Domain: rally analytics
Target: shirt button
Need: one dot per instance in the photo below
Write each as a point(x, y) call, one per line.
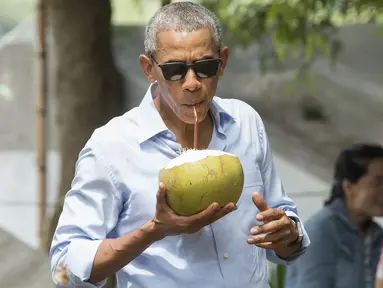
point(225, 255)
point(169, 135)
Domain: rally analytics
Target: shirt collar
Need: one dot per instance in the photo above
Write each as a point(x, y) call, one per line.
point(151, 123)
point(339, 207)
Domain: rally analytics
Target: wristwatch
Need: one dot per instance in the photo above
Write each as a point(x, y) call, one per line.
point(300, 231)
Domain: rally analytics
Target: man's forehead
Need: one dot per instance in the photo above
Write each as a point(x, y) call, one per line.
point(181, 35)
point(184, 42)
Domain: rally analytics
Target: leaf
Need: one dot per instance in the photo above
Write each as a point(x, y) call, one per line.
point(297, 29)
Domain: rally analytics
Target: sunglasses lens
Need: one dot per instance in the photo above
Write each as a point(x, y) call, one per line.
point(206, 68)
point(173, 71)
point(203, 68)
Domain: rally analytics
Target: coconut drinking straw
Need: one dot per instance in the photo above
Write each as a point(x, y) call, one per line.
point(195, 129)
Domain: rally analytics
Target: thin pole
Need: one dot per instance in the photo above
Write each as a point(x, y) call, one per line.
point(41, 113)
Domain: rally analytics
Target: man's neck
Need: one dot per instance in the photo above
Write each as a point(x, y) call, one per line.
point(362, 222)
point(184, 132)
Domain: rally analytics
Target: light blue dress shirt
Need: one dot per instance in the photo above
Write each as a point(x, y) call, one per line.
point(114, 192)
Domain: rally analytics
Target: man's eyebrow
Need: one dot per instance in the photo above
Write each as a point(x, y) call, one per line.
point(174, 60)
point(205, 57)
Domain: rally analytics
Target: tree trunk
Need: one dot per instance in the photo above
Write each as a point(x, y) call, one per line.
point(89, 87)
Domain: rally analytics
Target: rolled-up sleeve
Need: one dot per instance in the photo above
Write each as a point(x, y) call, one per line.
point(275, 194)
point(90, 212)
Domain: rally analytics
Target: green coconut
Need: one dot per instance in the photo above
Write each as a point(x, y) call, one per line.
point(198, 178)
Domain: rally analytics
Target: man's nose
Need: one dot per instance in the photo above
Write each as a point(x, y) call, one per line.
point(191, 81)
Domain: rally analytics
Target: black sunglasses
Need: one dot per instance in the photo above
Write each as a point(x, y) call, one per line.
point(176, 71)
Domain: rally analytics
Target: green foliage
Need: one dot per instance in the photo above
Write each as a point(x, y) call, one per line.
point(291, 31)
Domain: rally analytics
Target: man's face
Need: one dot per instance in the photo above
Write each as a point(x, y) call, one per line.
point(366, 196)
point(192, 89)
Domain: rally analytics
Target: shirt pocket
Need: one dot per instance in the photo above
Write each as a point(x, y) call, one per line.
point(246, 208)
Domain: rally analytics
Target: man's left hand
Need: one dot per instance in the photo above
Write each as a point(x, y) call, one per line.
point(278, 230)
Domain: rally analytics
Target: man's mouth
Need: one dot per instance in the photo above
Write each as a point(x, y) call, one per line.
point(194, 104)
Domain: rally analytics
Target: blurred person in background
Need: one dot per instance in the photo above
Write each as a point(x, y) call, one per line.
point(345, 241)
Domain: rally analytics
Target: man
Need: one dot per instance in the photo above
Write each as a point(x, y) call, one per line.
point(115, 217)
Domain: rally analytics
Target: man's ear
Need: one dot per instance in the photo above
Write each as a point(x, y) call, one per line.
point(224, 58)
point(147, 67)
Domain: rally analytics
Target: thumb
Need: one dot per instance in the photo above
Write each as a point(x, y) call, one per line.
point(161, 194)
point(259, 202)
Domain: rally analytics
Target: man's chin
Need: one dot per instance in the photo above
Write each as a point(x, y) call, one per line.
point(190, 120)
point(189, 116)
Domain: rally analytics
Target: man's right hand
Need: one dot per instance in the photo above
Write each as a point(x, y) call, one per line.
point(113, 254)
point(167, 222)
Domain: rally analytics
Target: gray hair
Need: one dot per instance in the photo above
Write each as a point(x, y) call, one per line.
point(181, 17)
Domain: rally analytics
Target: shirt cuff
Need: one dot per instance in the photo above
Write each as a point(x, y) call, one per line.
point(273, 257)
point(79, 262)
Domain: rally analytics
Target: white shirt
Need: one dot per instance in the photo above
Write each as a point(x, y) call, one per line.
point(114, 192)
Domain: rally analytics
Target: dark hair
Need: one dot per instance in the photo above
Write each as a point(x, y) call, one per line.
point(352, 164)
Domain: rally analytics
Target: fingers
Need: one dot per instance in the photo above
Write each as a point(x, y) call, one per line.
point(272, 226)
point(162, 207)
point(271, 234)
point(205, 214)
point(267, 213)
point(192, 224)
point(228, 208)
point(270, 240)
point(175, 224)
point(259, 202)
point(161, 194)
point(270, 215)
point(212, 213)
